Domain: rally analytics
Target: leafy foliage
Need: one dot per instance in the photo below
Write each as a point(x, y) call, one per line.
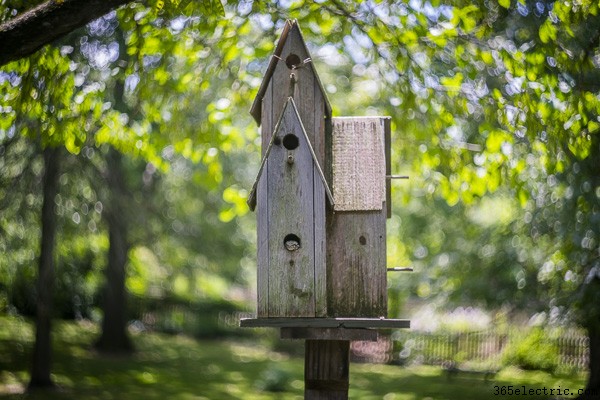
point(495, 108)
point(534, 352)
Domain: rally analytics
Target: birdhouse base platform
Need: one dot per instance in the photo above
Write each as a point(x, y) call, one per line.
point(300, 322)
point(351, 329)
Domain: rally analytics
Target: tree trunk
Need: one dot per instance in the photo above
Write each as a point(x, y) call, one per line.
point(114, 337)
point(42, 350)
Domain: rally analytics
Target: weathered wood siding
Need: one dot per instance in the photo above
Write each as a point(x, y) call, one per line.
point(292, 198)
point(356, 231)
point(306, 91)
point(356, 264)
point(262, 216)
point(311, 107)
point(290, 211)
point(326, 369)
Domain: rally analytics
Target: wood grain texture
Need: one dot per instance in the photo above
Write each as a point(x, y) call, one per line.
point(267, 127)
point(358, 158)
point(290, 203)
point(356, 264)
point(308, 202)
point(320, 243)
point(262, 244)
point(320, 201)
point(277, 58)
point(326, 369)
point(262, 215)
point(304, 92)
point(321, 113)
point(256, 109)
point(311, 106)
point(352, 334)
point(387, 130)
point(280, 79)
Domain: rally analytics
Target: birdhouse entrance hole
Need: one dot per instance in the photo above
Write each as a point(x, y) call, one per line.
point(290, 141)
point(291, 242)
point(293, 61)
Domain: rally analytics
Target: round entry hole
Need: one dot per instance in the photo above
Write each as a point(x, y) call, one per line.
point(293, 61)
point(291, 242)
point(362, 240)
point(290, 141)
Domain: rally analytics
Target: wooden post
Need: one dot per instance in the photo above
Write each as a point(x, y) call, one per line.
point(326, 369)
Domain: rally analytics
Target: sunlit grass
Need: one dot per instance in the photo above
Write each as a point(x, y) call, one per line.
point(178, 367)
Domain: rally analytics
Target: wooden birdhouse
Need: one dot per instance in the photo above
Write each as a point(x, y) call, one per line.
point(291, 193)
point(321, 196)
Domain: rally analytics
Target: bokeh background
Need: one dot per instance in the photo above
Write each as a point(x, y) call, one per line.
point(127, 153)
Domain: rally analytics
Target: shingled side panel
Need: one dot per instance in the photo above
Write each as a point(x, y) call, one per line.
point(359, 182)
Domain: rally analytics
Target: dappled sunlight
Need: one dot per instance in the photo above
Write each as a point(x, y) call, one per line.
point(494, 111)
point(163, 367)
point(178, 367)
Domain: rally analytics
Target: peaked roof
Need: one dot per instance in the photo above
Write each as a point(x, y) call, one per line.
point(289, 103)
point(291, 27)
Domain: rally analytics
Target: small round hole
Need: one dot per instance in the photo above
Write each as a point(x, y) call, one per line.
point(290, 141)
point(362, 240)
point(292, 61)
point(291, 242)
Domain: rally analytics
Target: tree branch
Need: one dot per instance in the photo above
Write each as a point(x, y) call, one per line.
point(53, 19)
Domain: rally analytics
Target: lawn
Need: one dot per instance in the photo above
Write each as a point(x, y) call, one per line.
point(178, 367)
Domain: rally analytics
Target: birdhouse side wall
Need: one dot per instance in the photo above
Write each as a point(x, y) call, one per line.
point(356, 264)
point(267, 124)
point(320, 234)
point(291, 273)
point(356, 231)
point(262, 244)
point(295, 200)
point(312, 108)
point(262, 209)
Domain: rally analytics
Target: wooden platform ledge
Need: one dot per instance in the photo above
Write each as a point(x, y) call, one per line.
point(380, 323)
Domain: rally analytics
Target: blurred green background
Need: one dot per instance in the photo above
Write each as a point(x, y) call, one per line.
point(127, 148)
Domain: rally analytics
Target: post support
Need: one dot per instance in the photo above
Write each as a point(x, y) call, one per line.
point(326, 369)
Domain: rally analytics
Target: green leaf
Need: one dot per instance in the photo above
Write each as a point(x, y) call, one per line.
point(593, 126)
point(547, 32)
